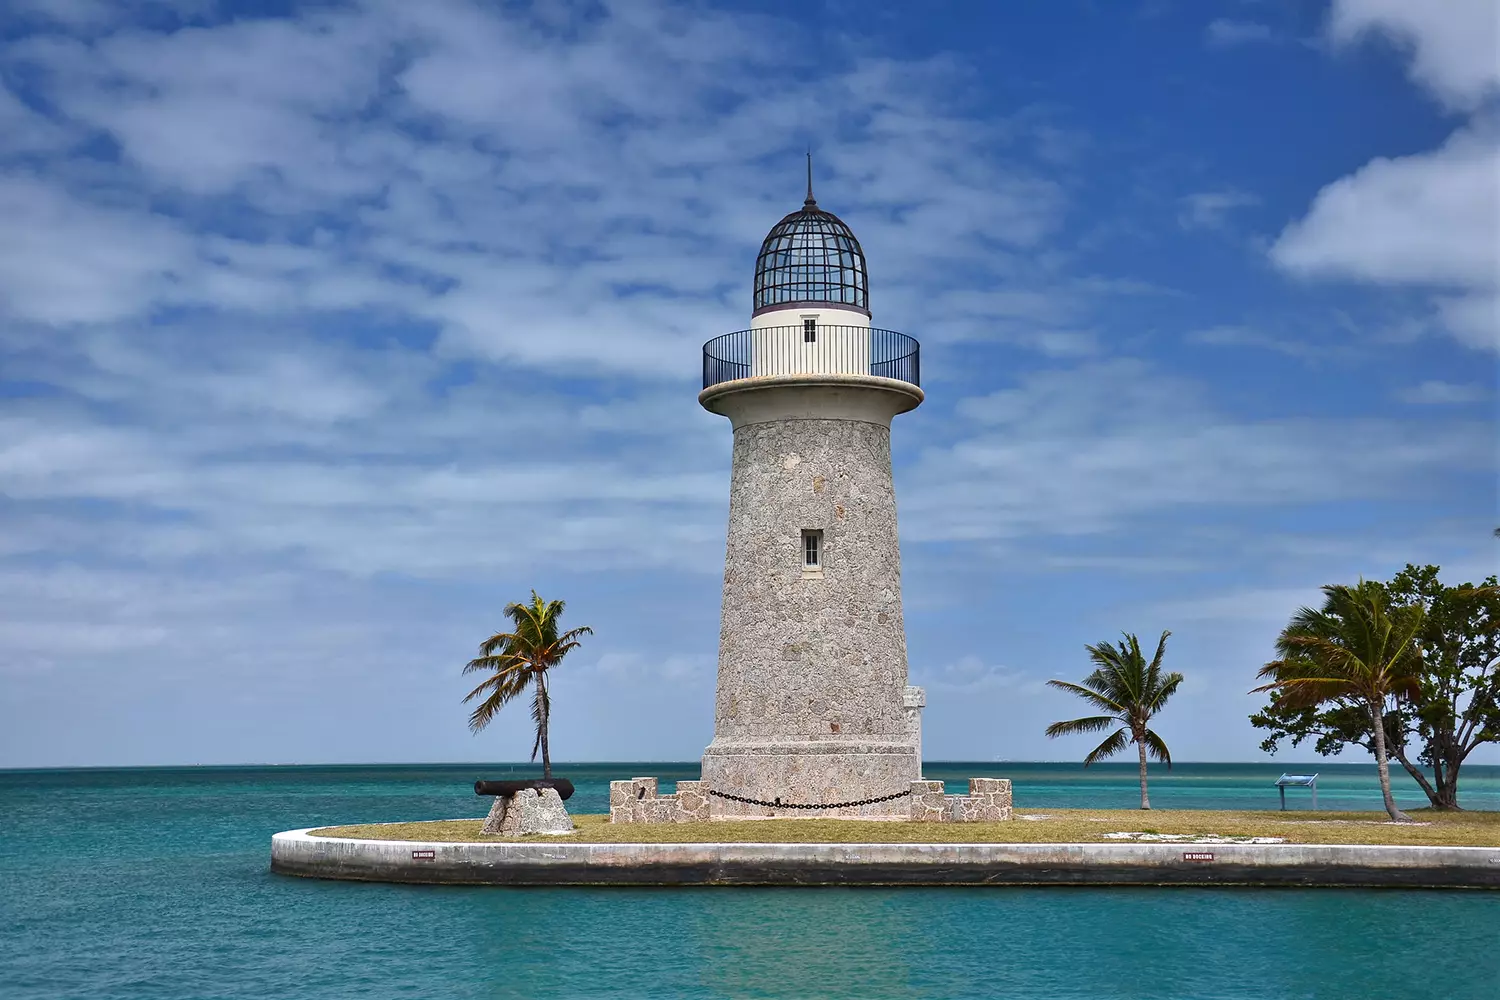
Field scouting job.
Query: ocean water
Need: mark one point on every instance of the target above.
(154, 883)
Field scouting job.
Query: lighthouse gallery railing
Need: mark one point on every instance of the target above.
(787, 350)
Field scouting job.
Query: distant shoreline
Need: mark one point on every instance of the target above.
(1104, 768)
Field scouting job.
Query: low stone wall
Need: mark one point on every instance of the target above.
(638, 801)
(988, 801)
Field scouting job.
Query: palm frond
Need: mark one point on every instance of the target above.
(1157, 748)
(1111, 746)
(491, 661)
(572, 635)
(1160, 691)
(1090, 724)
(497, 642)
(541, 706)
(1092, 697)
(485, 711)
(505, 686)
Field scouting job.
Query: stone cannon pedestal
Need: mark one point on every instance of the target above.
(528, 811)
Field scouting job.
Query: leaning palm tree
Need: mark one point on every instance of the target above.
(1356, 648)
(1131, 691)
(521, 658)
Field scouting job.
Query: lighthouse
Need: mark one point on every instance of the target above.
(812, 715)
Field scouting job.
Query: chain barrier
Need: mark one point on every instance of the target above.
(778, 804)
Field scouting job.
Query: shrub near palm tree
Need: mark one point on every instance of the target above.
(1357, 648)
(1132, 691)
(519, 659)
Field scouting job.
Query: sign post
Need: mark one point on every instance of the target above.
(1298, 781)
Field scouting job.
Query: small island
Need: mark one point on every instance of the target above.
(1050, 826)
(814, 774)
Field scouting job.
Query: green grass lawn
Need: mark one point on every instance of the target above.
(1471, 829)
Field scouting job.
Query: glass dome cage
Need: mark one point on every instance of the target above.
(811, 258)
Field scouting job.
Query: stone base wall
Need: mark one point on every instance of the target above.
(807, 772)
(988, 801)
(638, 801)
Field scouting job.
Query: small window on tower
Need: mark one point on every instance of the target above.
(809, 331)
(812, 551)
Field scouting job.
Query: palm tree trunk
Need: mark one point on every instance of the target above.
(541, 682)
(1382, 763)
(1140, 745)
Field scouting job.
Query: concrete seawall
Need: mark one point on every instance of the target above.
(551, 863)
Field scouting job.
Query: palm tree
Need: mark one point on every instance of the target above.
(1355, 648)
(519, 658)
(1132, 691)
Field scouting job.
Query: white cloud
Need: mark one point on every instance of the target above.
(1436, 392)
(336, 330)
(563, 200)
(1431, 218)
(1453, 43)
(64, 261)
(1223, 32)
(1426, 220)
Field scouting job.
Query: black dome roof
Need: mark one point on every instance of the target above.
(811, 258)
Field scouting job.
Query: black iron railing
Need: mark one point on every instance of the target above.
(819, 350)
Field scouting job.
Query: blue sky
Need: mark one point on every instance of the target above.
(328, 329)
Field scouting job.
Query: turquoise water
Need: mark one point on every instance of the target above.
(153, 883)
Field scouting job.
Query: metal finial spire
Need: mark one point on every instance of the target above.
(810, 202)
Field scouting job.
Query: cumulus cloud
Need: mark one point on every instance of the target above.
(1431, 218)
(1452, 44)
(1427, 220)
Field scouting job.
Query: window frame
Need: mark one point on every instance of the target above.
(811, 544)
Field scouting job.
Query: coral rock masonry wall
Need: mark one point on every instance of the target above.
(812, 703)
(528, 811)
(638, 801)
(988, 801)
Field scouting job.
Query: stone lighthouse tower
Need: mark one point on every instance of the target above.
(813, 715)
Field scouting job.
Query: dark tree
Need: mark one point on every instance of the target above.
(1458, 706)
(1453, 708)
(1356, 651)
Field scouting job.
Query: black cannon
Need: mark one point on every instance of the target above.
(563, 786)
